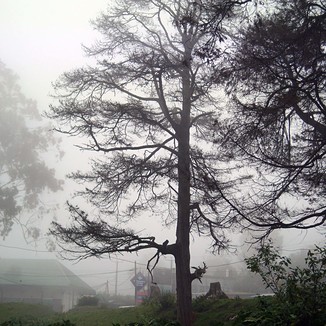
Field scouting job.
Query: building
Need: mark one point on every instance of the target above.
(41, 282)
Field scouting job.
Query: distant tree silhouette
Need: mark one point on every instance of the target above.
(23, 173)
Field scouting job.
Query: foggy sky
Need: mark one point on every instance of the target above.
(39, 40)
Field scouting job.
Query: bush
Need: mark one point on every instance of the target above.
(165, 301)
(202, 303)
(300, 293)
(88, 300)
(34, 322)
(63, 323)
(153, 322)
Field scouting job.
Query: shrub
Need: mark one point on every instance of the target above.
(63, 323)
(34, 322)
(300, 293)
(153, 322)
(165, 301)
(88, 300)
(202, 303)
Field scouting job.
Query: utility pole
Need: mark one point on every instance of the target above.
(107, 288)
(116, 278)
(135, 286)
(171, 271)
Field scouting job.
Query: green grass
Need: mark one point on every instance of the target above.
(81, 316)
(23, 310)
(221, 312)
(96, 316)
(206, 313)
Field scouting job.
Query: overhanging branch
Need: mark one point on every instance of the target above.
(86, 238)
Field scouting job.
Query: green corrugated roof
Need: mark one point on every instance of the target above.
(42, 272)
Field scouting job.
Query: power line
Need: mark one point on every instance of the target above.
(227, 264)
(51, 275)
(127, 261)
(299, 249)
(54, 251)
(132, 262)
(27, 249)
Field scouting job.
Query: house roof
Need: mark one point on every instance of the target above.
(42, 272)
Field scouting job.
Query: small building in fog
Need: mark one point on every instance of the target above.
(39, 281)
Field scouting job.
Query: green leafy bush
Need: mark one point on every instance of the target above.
(300, 293)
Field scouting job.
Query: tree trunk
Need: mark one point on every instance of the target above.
(184, 299)
(182, 257)
(215, 291)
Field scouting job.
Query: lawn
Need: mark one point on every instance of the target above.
(12, 314)
(206, 313)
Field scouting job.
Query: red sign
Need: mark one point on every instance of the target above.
(140, 296)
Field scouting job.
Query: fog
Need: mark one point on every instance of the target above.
(39, 41)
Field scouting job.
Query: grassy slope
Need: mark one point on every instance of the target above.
(212, 313)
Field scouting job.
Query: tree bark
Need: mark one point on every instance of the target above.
(184, 298)
(182, 258)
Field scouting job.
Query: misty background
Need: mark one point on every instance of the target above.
(39, 40)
